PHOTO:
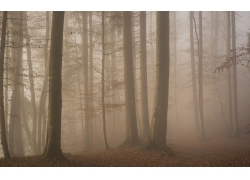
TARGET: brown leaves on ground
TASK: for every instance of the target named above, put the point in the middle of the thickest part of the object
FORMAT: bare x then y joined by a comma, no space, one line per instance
188,151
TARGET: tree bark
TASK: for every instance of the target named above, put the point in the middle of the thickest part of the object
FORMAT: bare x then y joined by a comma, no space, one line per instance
131,123
196,115
143,71
159,120
228,52
32,86
200,77
53,143
235,103
86,78
3,130
15,131
103,85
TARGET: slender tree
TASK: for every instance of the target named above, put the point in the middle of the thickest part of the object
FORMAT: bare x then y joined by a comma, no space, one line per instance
86,78
235,103
196,115
175,72
103,85
3,130
228,47
200,77
131,124
53,142
143,71
32,88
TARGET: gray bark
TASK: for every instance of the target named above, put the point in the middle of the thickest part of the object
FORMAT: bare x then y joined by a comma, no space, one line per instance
143,71
131,123
3,130
159,120
53,142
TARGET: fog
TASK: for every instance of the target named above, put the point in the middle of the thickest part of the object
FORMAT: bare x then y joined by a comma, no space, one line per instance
82,71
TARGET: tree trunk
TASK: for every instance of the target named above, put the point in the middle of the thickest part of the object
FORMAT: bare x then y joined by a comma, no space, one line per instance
200,77
53,143
103,85
159,120
175,74
235,103
86,78
15,130
131,123
91,82
42,105
144,81
196,115
32,88
3,130
228,52
138,119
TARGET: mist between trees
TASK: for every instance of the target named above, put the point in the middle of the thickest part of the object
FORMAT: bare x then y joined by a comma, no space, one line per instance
81,81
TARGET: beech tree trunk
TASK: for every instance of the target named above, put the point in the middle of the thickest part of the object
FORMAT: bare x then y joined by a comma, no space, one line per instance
2,116
32,87
159,120
143,71
15,131
86,78
103,85
228,52
235,102
131,123
200,78
53,142
196,115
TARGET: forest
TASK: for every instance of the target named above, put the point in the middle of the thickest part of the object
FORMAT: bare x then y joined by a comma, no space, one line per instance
125,88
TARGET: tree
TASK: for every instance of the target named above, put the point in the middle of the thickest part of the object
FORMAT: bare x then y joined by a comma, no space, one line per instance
53,141
143,71
103,85
86,77
15,130
131,124
196,115
228,47
3,130
235,103
159,119
32,90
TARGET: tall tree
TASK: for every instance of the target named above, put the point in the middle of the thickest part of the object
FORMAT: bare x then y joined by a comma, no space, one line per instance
159,120
143,71
53,141
15,130
228,50
32,86
235,103
3,130
200,77
175,71
91,77
86,78
103,85
131,124
134,64
196,115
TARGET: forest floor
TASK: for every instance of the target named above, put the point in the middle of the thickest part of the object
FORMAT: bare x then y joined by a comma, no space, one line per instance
188,150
